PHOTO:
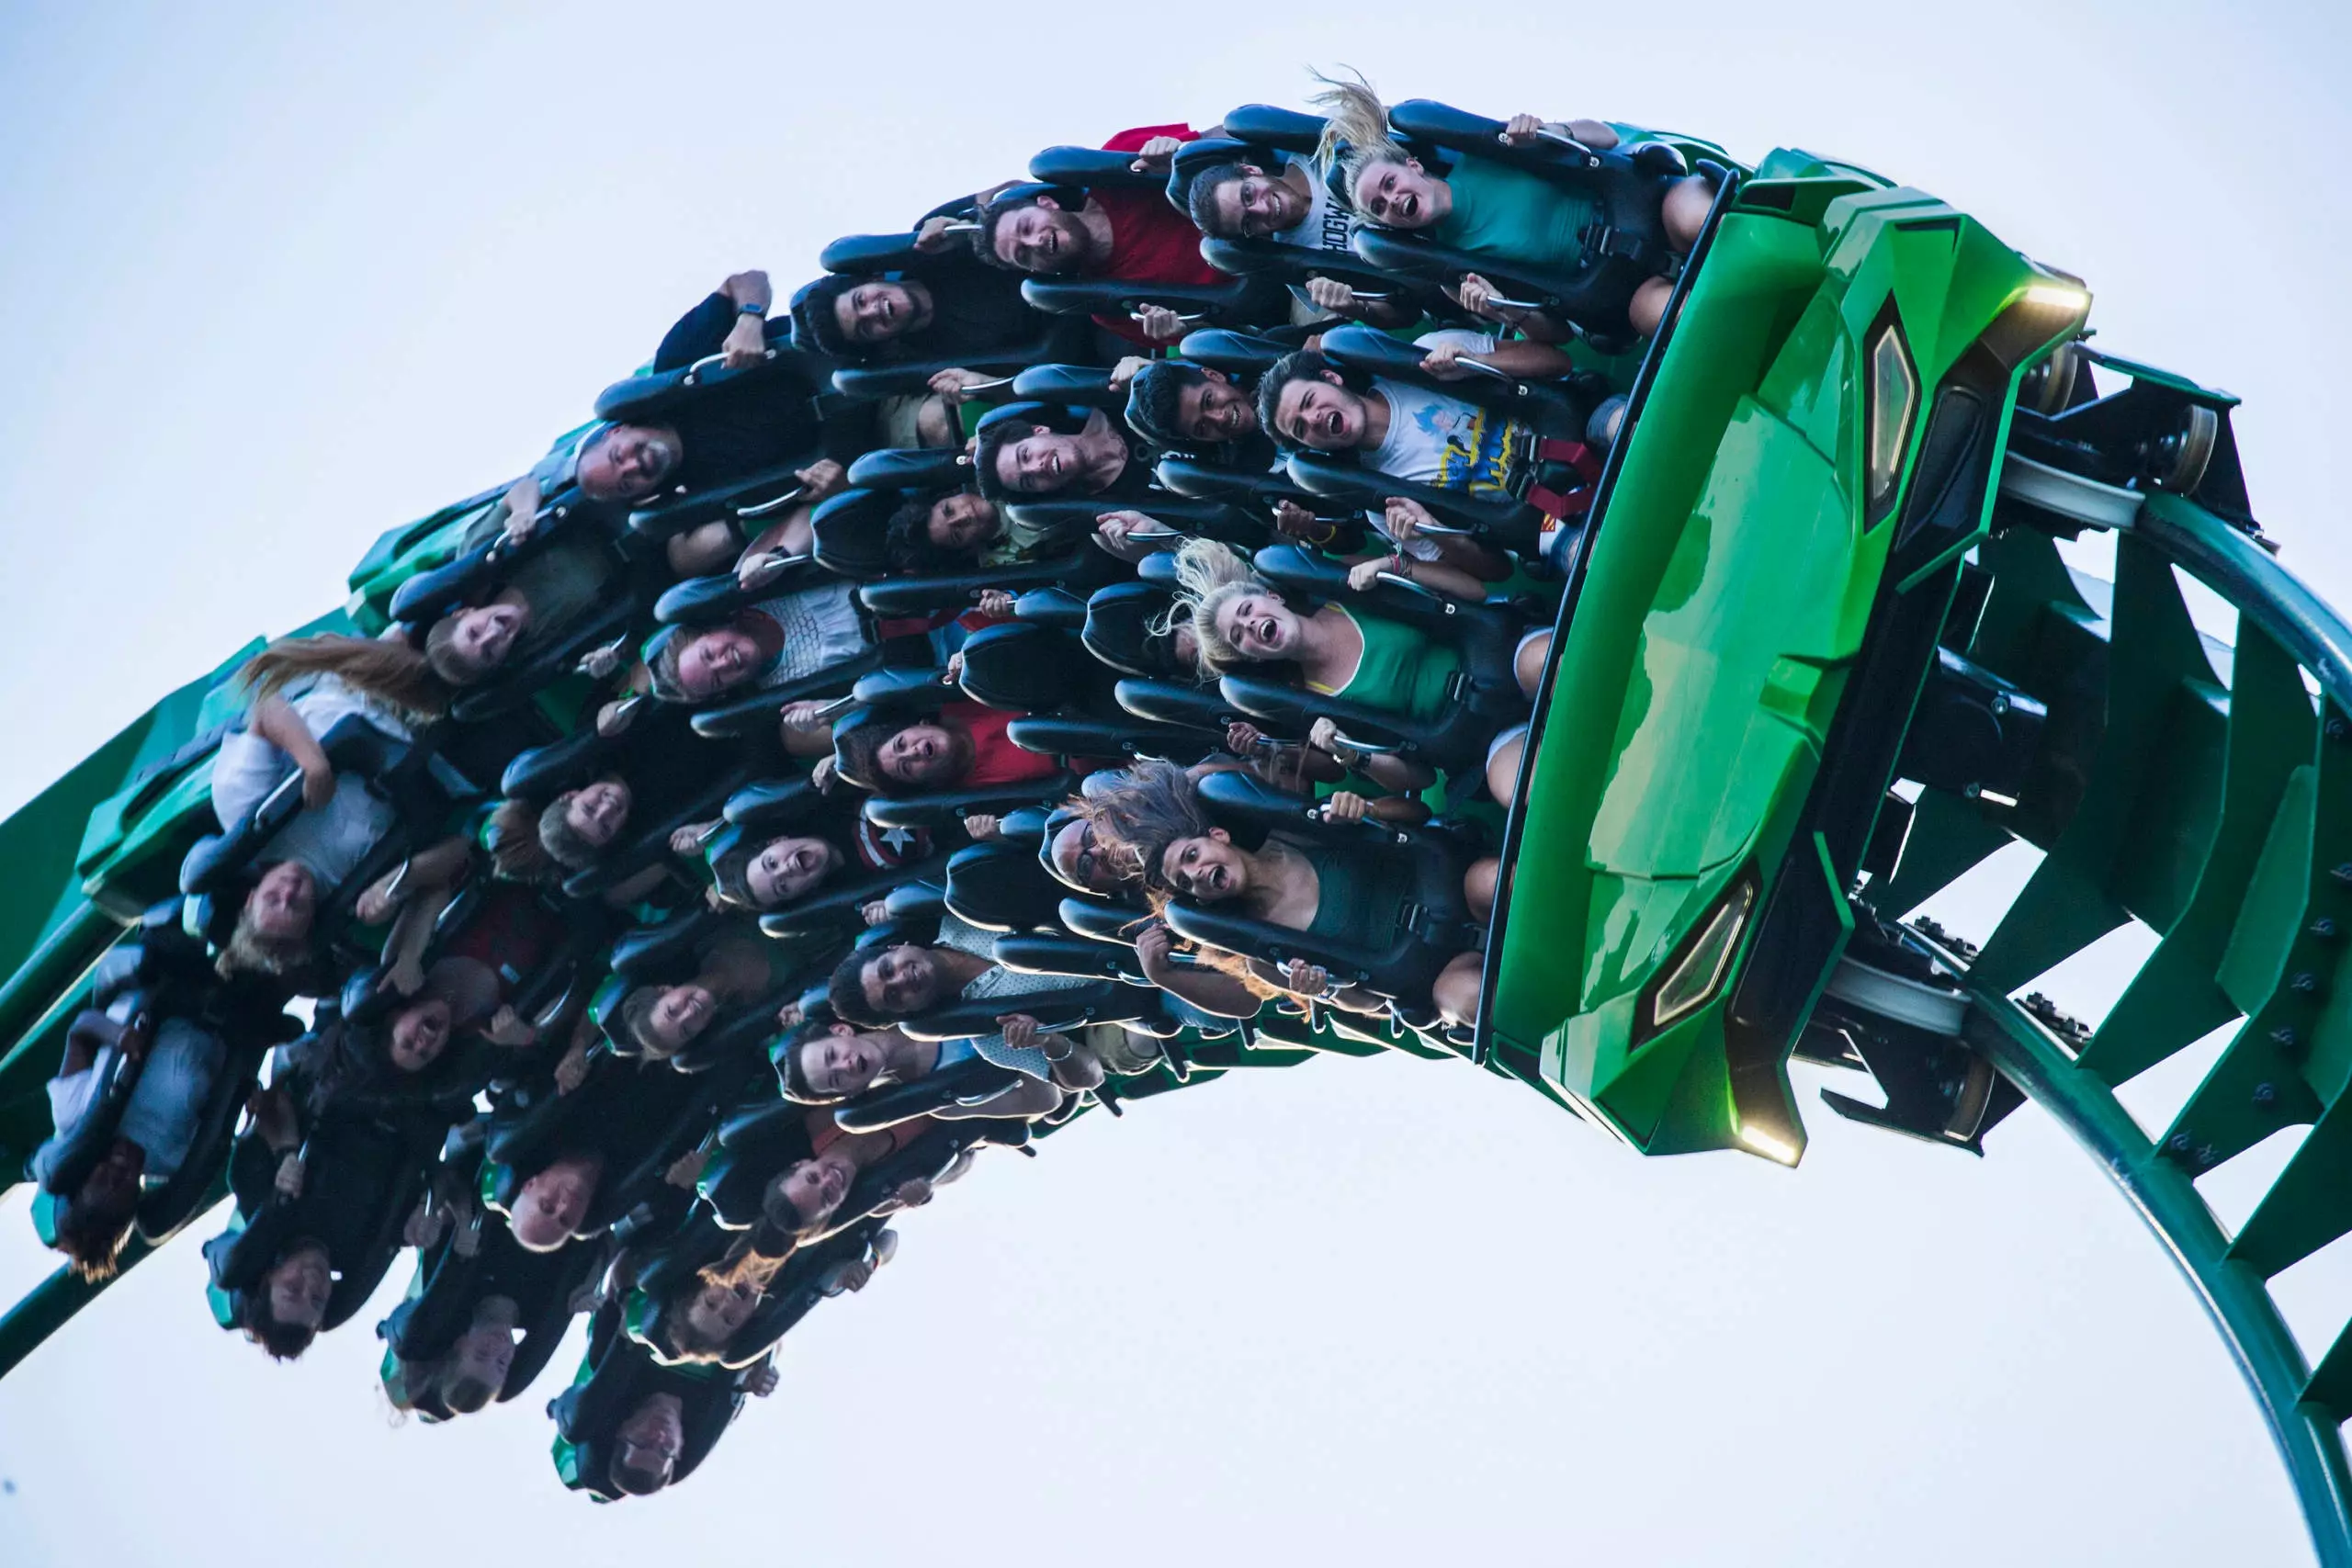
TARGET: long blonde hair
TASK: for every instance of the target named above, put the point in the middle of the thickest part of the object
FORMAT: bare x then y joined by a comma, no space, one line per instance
1355,129
1210,575
385,668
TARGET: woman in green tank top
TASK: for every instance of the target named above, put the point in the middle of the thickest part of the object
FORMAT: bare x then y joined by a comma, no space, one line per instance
1239,619
1491,210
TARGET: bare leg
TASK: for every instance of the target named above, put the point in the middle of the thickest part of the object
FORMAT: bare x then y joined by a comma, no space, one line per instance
699,552
1648,308
1502,768
1478,885
1685,210
1456,991
1534,652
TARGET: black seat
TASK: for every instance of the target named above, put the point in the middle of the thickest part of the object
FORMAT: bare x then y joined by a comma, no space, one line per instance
752,498
1241,301
1081,569
1001,888
1032,669
1120,621
911,467
1092,167
848,532
835,907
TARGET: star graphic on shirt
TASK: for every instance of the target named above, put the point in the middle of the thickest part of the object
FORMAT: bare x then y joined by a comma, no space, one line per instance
898,838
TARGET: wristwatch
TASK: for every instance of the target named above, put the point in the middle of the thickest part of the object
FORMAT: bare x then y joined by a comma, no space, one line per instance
749,309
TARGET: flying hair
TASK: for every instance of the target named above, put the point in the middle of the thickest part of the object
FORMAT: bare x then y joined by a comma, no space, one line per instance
1355,126
1210,575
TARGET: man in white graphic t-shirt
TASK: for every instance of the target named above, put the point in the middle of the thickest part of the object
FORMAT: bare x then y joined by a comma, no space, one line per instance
1417,434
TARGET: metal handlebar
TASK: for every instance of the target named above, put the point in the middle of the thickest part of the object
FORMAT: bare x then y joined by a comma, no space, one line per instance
767,508
694,372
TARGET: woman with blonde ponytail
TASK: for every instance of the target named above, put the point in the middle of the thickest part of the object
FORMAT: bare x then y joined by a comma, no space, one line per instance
1488,209
1239,619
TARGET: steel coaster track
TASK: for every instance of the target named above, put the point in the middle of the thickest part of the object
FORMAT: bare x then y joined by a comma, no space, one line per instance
2209,799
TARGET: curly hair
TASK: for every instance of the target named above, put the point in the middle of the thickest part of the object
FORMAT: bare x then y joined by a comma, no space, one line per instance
1155,401
814,322
1299,365
908,546
993,215
1140,812
283,1341
845,990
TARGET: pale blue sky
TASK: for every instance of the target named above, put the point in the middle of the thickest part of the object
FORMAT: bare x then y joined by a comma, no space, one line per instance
275,280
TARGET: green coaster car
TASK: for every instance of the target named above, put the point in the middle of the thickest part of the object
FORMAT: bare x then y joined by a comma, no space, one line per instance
1809,454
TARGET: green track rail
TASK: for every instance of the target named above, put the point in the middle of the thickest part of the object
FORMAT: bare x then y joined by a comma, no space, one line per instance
2208,796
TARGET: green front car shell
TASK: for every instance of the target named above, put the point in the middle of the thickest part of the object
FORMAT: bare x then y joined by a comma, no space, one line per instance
1810,454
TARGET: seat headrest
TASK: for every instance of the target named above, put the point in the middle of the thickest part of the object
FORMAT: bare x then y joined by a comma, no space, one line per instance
1090,166
1051,607
1089,737
947,807
1119,622
1235,353
1027,669
848,531
911,467
869,252
1249,299
1099,920
1084,386
686,508
775,806
1199,708
907,596
1266,125
545,772
1061,954
1001,888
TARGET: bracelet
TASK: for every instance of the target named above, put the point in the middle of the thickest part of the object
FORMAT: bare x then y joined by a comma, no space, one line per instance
748,308
1067,1048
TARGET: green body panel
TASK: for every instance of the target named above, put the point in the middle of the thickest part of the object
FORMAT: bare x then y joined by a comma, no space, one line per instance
1731,584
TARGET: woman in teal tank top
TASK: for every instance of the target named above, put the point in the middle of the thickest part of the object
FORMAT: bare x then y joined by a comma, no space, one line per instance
1516,220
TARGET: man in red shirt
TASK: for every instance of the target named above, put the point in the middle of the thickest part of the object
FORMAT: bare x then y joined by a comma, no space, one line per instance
1136,235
